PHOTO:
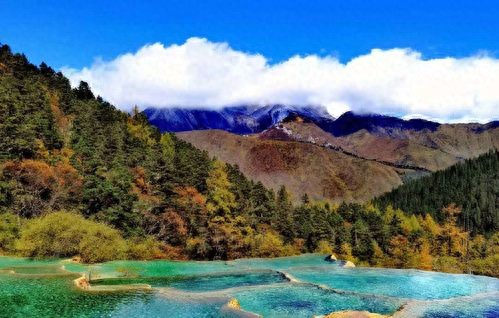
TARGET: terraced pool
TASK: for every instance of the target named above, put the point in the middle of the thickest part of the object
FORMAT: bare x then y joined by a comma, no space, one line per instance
301,286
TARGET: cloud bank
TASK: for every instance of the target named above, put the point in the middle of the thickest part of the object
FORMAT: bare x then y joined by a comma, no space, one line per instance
200,73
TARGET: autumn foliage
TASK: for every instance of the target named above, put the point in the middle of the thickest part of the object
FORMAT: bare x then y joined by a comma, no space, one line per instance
36,186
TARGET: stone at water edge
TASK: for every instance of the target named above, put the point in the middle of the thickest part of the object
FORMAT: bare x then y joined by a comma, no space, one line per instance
354,314
348,264
82,283
234,304
331,258
76,259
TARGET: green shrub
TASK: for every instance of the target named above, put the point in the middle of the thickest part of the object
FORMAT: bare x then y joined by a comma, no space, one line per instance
323,247
9,231
144,249
65,234
101,243
447,264
488,266
267,245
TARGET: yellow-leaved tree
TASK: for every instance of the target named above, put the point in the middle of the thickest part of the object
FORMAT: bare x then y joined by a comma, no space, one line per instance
453,237
221,200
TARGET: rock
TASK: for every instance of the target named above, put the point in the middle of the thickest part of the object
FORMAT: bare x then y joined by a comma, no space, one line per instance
348,264
233,309
234,304
76,259
354,314
289,277
82,283
331,258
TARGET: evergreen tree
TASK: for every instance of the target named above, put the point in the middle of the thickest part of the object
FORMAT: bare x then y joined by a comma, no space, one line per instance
283,219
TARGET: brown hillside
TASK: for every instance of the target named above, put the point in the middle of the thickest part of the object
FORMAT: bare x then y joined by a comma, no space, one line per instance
302,167
426,149
431,150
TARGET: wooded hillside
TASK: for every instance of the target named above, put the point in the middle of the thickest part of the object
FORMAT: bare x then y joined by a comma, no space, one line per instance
472,184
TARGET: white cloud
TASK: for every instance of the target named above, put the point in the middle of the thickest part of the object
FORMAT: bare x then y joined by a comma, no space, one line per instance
200,73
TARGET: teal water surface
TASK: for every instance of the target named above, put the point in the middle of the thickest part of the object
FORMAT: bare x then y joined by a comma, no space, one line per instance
301,286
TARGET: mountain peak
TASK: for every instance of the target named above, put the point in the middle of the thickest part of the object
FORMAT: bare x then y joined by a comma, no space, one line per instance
351,122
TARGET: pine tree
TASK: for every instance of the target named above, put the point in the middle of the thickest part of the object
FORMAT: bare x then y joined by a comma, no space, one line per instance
284,214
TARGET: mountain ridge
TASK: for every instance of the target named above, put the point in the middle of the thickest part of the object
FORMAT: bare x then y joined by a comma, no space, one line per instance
255,119
408,153
236,119
425,149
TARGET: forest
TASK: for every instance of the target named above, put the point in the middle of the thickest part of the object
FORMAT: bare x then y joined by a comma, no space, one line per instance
472,184
79,177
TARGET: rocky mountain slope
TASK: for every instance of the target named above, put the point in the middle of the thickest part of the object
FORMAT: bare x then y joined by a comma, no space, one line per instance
358,166
424,149
301,167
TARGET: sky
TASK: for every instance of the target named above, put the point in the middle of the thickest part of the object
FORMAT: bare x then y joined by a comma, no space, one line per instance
430,59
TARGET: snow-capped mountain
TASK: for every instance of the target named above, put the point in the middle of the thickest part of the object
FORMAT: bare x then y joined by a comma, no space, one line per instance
239,119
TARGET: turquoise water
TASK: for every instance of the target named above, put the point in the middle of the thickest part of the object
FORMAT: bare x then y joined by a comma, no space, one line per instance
484,305
201,283
301,286
415,284
297,300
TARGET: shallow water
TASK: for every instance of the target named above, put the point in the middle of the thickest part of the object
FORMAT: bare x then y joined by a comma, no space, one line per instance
412,284
301,286
295,300
202,283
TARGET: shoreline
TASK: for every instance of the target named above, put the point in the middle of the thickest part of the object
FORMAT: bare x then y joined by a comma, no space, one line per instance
228,262
83,284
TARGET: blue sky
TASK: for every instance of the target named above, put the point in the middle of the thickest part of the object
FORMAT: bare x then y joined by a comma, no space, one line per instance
73,33
430,59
